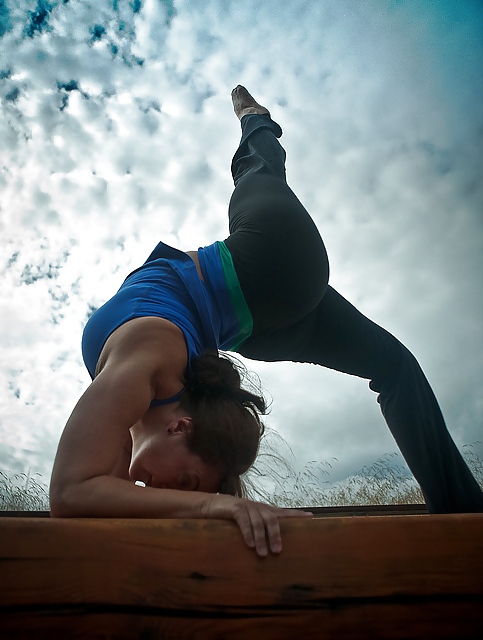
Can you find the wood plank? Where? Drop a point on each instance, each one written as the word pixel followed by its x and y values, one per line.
pixel 342 511
pixel 364 577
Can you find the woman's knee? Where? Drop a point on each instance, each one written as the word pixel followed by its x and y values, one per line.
pixel 397 371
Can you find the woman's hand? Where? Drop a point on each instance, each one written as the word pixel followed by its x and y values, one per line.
pixel 258 522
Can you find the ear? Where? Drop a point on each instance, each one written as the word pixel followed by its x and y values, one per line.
pixel 180 426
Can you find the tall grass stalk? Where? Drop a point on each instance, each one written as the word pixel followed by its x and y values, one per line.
pixel 23 492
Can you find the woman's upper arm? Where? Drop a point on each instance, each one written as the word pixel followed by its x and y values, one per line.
pixel 96 430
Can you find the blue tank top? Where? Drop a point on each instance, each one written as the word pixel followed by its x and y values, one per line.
pixel 211 314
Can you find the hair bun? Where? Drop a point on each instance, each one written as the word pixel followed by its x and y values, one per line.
pixel 212 374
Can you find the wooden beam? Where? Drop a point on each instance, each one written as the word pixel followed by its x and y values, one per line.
pixel 414 576
pixel 319 512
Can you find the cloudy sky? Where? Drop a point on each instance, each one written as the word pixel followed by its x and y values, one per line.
pixel 117 130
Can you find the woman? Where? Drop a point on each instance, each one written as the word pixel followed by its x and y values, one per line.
pixel 166 410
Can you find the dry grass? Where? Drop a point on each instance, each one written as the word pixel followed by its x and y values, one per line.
pixel 23 492
pixel 386 481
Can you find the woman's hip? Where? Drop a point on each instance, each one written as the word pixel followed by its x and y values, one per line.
pixel 278 254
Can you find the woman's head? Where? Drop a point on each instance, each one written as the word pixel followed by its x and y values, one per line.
pixel 226 418
pixel 160 457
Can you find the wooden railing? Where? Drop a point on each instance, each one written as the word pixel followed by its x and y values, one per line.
pixel 409 576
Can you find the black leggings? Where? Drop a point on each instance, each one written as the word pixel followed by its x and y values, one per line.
pixel 282 266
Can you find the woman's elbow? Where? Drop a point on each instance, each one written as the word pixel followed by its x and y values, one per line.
pixel 57 505
pixel 61 503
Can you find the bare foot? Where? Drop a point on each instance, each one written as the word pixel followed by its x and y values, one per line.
pixel 244 103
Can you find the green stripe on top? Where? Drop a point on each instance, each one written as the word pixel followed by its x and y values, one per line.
pixel 237 298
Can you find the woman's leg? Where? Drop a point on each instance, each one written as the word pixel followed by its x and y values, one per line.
pixel 282 266
pixel 272 237
pixel 337 336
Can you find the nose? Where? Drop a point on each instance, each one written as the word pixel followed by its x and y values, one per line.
pixel 137 472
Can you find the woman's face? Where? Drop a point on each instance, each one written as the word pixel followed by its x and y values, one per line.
pixel 160 457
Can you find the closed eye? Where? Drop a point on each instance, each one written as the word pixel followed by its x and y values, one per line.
pixel 187 482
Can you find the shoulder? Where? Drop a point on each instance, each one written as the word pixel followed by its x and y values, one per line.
pixel 155 343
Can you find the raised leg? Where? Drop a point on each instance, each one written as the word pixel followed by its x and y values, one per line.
pixel 271 232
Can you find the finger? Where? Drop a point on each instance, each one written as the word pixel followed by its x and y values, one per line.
pixel 273 531
pixel 243 520
pixel 259 532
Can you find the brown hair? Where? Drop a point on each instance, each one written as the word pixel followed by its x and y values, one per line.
pixel 226 418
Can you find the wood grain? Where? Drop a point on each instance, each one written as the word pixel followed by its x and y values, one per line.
pixel 414 576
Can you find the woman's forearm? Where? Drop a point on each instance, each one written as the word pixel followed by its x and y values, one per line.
pixel 110 497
